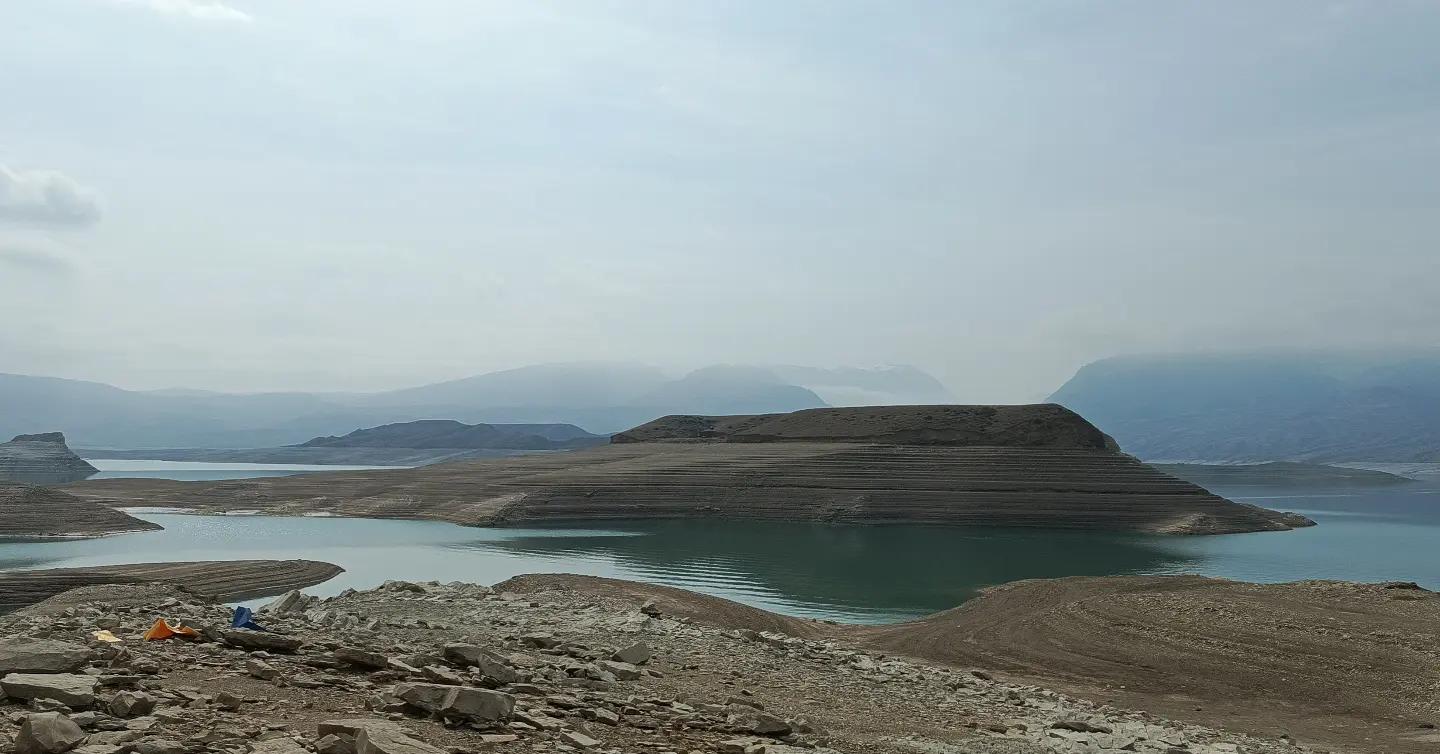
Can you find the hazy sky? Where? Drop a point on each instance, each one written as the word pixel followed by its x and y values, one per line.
pixel 349 194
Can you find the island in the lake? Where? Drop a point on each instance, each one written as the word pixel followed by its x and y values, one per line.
pixel 41 459
pixel 1024 466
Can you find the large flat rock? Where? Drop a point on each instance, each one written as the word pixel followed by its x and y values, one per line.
pixel 28 655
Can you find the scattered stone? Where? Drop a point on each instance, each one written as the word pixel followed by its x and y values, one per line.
pixel 131 704
pixel 541 640
pixel 47 733
pixel 371 740
pixel 575 738
pixel 228 701
pixel 260 640
pixel 73 690
pixel 479 705
pixel 622 670
pixel 635 654
pixel 363 658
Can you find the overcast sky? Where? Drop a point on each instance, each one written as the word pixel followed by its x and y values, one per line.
pixel 353 194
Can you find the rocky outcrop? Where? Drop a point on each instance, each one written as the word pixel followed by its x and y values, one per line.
pixel 41 459
pixel 1039 466
pixel 1038 426
pixel 224 579
pixel 27 511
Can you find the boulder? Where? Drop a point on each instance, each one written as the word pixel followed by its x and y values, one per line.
pixel 291 601
pixel 22 655
pixel 333 744
pixel 362 657
pixel 426 696
pixel 576 738
pixel 540 640
pixel 390 741
pixel 635 654
pixel 502 672
pixel 281 745
pixel 261 669
pixel 131 704
pixel 478 705
pixel 463 654
pixel 69 689
pixel 253 640
pixel 47 733
pixel 350 728
pixel 622 670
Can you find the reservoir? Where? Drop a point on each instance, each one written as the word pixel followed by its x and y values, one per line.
pixel 842 572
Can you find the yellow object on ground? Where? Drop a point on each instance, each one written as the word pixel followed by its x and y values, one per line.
pixel 106 636
pixel 162 630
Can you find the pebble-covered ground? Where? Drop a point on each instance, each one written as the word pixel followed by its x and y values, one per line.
pixel 426 668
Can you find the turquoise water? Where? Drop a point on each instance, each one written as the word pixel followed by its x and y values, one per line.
pixel 204 471
pixel 849 573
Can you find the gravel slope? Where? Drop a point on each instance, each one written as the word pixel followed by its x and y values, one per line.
pixel 1353 666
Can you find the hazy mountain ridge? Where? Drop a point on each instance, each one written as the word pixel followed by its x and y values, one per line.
pixel 1245 407
pixel 443 433
pixel 599 397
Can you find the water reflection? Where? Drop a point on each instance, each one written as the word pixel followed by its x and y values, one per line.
pixel 49 477
pixel 852 572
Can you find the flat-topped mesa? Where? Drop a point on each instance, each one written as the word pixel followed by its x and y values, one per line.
pixel 41 459
pixel 1017 466
pixel 1032 426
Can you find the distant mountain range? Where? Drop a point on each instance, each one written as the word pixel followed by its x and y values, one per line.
pixel 599 397
pixel 429 434
pixel 1325 407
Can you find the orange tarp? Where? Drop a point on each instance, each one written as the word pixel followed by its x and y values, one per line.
pixel 163 630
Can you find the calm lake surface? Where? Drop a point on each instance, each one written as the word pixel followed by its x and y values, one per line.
pixel 204 471
pixel 848 573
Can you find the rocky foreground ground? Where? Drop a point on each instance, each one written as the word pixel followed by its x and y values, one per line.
pixel 427 668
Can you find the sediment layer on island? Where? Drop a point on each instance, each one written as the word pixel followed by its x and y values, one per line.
pixel 226 580
pixel 29 511
pixel 1018 466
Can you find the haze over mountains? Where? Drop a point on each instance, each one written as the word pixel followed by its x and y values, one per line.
pixel 598 397
pixel 1254 407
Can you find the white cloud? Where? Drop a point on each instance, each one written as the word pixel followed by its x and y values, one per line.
pixel 204 10
pixel 45 197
